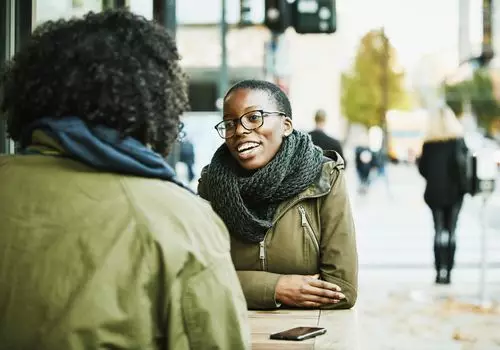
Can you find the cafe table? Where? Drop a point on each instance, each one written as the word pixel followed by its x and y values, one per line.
pixel 341 329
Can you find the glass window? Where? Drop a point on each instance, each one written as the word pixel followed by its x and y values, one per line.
pixel 44 10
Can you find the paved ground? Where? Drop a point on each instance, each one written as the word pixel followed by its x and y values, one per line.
pixel 399 306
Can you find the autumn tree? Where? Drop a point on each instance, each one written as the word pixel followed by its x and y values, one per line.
pixel 375 83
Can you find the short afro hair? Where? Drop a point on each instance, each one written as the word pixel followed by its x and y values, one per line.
pixel 274 92
pixel 112 68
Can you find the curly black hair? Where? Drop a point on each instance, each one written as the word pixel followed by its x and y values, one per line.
pixel 274 92
pixel 111 68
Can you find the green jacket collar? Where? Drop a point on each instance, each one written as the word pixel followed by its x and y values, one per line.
pixel 321 187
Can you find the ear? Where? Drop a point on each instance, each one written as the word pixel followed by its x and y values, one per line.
pixel 287 126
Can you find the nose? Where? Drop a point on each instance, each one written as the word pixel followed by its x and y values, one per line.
pixel 240 130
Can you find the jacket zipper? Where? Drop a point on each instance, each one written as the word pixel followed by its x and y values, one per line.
pixel 307 227
pixel 262 247
pixel 262 254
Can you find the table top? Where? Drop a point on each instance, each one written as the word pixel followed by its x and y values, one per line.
pixel 341 326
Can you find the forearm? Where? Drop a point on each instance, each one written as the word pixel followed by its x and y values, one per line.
pixel 259 288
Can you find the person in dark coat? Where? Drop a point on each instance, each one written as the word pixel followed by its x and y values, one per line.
pixel 321 139
pixel 442 164
pixel 187 156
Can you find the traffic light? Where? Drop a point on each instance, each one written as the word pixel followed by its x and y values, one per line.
pixel 245 12
pixel 314 16
pixel 277 15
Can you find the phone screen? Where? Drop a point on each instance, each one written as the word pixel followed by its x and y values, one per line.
pixel 299 333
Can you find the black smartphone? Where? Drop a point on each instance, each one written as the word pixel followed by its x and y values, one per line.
pixel 298 333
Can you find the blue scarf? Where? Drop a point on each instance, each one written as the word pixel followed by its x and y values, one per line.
pixel 101 148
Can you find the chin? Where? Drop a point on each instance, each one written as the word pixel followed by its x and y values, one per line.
pixel 251 164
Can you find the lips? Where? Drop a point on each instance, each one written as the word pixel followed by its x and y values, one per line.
pixel 247 149
pixel 246 146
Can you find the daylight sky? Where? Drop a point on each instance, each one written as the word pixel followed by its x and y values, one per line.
pixel 415 27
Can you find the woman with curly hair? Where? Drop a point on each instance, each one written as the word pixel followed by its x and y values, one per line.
pixel 95 246
pixel 285 204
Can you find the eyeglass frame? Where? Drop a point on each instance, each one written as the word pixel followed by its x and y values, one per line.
pixel 263 112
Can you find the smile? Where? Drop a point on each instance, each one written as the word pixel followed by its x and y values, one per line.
pixel 247 149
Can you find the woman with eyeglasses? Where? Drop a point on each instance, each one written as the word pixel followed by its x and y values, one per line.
pixel 284 203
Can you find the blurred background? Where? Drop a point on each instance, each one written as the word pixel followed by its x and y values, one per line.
pixel 378 70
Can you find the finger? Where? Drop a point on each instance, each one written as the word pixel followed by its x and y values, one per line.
pixel 327 293
pixel 311 298
pixel 310 304
pixel 324 285
pixel 316 276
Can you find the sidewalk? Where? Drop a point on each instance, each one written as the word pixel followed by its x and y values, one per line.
pixel 399 305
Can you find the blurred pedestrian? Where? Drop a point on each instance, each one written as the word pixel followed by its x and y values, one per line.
pixel 284 202
pixel 100 246
pixel 187 156
pixel 442 164
pixel 321 139
pixel 363 159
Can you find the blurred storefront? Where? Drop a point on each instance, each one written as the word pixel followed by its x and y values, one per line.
pixel 307 67
pixel 20 17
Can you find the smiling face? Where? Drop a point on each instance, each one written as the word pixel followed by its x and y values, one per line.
pixel 253 149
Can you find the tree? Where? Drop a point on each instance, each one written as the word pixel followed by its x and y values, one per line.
pixel 375 72
pixel 482 101
pixel 480 93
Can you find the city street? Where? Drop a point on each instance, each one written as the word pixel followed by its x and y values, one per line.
pixel 399 307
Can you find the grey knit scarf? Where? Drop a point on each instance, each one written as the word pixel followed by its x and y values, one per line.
pixel 247 201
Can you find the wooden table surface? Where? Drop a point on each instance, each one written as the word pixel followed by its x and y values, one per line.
pixel 341 329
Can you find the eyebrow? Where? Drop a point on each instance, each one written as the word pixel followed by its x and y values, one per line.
pixel 250 109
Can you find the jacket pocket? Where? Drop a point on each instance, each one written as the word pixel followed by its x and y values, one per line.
pixel 309 236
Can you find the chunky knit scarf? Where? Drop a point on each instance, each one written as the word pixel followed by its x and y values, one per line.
pixel 246 201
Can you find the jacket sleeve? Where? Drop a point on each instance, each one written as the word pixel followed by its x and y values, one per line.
pixel 204 304
pixel 339 257
pixel 207 310
pixel 259 289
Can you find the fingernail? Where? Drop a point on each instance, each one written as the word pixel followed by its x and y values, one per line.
pixel 341 296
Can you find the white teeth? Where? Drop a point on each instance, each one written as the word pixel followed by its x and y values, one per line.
pixel 246 146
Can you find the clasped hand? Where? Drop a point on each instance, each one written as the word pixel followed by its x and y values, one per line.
pixel 307 291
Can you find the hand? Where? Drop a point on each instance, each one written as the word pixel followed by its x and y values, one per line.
pixel 306 291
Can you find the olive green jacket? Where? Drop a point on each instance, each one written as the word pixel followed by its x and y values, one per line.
pixel 92 260
pixel 312 232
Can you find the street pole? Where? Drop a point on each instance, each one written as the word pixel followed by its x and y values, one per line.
pixel 384 85
pixel 274 49
pixel 164 12
pixel 464 46
pixel 487 45
pixel 223 70
pixel 483 294
pixel 170 18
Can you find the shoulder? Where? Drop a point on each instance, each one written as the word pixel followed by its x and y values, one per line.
pixel 333 159
pixel 332 170
pixel 173 214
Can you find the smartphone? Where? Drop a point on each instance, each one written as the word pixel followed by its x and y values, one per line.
pixel 298 333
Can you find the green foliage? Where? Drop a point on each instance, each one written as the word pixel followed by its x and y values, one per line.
pixel 454 96
pixel 483 103
pixel 362 87
pixel 479 92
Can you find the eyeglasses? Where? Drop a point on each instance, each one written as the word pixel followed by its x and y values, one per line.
pixel 250 121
